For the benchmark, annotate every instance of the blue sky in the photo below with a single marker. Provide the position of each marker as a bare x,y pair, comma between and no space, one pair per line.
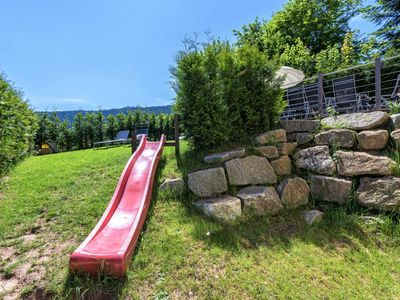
97,53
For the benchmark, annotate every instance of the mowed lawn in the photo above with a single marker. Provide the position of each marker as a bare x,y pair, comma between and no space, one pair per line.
50,203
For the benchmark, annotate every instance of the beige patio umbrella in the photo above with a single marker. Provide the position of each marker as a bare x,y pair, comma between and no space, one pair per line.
291,76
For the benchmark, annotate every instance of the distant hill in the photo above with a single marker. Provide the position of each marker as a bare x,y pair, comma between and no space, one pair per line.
68,115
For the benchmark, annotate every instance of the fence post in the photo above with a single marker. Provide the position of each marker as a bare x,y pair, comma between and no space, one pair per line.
321,94
176,131
378,86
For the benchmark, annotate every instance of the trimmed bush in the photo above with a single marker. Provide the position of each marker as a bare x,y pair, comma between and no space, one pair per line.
225,94
17,126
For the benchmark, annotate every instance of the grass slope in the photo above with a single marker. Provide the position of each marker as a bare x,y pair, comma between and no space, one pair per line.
53,202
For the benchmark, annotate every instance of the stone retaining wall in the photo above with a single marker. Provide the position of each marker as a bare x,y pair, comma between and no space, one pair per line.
324,160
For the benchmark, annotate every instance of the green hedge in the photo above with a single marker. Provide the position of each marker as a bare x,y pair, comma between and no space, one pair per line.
225,94
17,126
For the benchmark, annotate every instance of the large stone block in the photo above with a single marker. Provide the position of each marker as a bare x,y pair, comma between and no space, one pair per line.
294,192
357,121
361,163
395,135
272,137
225,208
313,216
282,166
177,184
286,148
330,189
250,170
224,156
300,125
372,139
300,138
316,159
268,151
380,193
260,199
208,182
395,121
343,138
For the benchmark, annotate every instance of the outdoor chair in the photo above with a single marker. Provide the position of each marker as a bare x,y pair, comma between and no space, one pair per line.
394,97
296,104
312,101
346,99
122,137
141,130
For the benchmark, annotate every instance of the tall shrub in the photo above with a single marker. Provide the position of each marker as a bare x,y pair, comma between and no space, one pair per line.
204,113
225,94
18,125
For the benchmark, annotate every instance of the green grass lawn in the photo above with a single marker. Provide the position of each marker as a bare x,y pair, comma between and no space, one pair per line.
50,203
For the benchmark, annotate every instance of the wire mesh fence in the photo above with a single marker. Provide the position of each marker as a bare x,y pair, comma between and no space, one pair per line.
362,88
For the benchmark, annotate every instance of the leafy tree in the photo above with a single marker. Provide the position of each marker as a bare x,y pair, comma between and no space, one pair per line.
152,127
79,130
99,126
328,60
65,137
53,127
137,118
42,134
295,35
386,14
112,128
18,124
225,94
90,129
161,125
168,130
319,24
130,124
298,56
121,122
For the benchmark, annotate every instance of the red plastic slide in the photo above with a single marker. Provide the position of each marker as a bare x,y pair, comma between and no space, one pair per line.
109,247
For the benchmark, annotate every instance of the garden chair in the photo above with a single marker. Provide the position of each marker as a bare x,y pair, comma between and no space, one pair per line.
141,130
346,99
394,97
122,137
312,101
296,104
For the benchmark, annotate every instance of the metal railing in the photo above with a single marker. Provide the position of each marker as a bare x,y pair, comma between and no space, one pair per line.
362,88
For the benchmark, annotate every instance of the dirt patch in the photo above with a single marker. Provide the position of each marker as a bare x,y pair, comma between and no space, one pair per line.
6,253
8,285
32,266
28,238
99,294
38,294
22,271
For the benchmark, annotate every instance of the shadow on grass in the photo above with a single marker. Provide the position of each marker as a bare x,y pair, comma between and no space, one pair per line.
80,286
